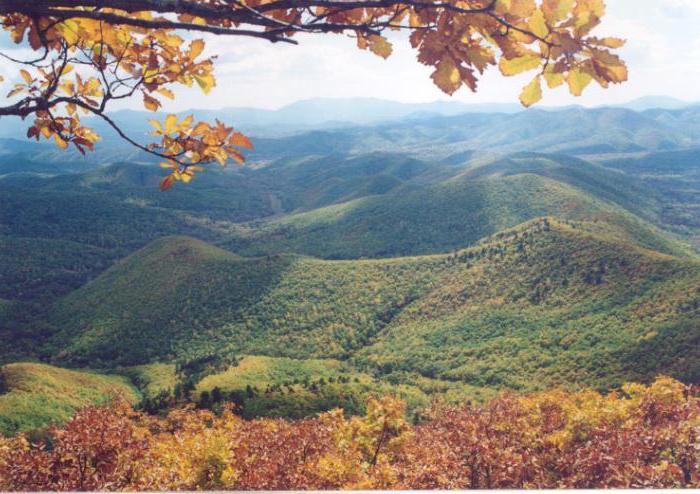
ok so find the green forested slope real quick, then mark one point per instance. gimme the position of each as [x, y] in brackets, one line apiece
[181, 297]
[559, 307]
[57, 233]
[38, 268]
[446, 216]
[549, 302]
[35, 395]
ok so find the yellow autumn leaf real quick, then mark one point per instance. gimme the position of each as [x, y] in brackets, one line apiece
[446, 75]
[613, 42]
[618, 72]
[521, 8]
[150, 103]
[238, 139]
[206, 82]
[172, 41]
[611, 72]
[170, 124]
[68, 87]
[556, 11]
[502, 6]
[166, 92]
[26, 76]
[186, 123]
[532, 93]
[218, 154]
[538, 26]
[59, 140]
[200, 129]
[553, 79]
[196, 48]
[578, 80]
[156, 124]
[380, 46]
[69, 30]
[587, 14]
[519, 65]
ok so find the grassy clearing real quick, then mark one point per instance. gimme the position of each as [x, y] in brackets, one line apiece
[152, 379]
[37, 395]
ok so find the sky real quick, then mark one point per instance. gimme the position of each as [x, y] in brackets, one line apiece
[663, 55]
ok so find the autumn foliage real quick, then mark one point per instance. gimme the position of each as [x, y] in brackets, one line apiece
[639, 436]
[87, 54]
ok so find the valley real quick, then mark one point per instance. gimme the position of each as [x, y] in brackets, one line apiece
[451, 256]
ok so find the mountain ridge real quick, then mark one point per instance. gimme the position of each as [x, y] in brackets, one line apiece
[239, 308]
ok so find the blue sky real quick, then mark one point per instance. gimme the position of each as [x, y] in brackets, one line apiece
[663, 53]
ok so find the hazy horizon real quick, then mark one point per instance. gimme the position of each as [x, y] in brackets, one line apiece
[447, 100]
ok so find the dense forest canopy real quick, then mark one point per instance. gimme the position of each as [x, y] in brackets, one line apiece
[89, 53]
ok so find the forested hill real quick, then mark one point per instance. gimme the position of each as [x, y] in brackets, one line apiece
[546, 303]
[60, 231]
[459, 211]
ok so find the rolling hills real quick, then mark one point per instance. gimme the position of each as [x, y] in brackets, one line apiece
[451, 255]
[146, 306]
[675, 176]
[550, 302]
[430, 132]
[459, 211]
[575, 131]
[59, 232]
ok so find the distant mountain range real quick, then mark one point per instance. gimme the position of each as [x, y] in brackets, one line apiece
[331, 113]
[656, 102]
[360, 126]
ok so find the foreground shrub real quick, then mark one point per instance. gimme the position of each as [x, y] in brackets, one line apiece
[640, 436]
